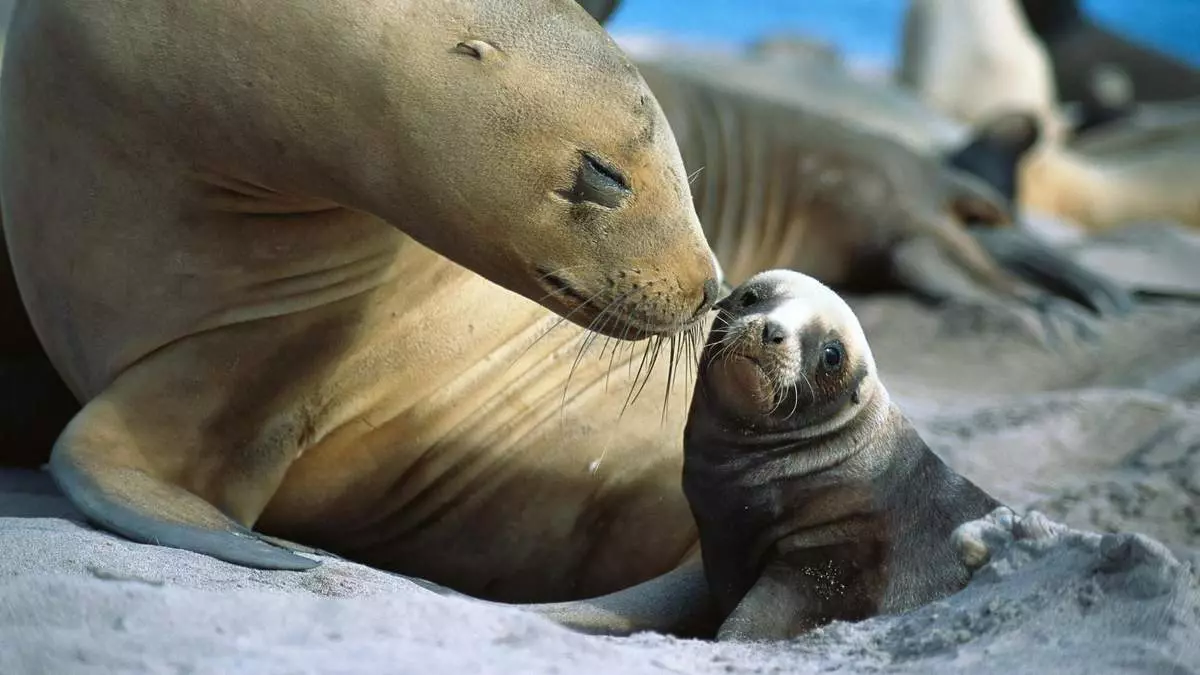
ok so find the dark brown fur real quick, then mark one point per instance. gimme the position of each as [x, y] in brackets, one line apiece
[788, 548]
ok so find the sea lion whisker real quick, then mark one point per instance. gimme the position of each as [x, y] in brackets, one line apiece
[560, 321]
[612, 358]
[641, 365]
[589, 337]
[672, 368]
[658, 343]
[812, 392]
[795, 398]
[645, 362]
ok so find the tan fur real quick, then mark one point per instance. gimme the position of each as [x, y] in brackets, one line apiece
[229, 223]
[1154, 174]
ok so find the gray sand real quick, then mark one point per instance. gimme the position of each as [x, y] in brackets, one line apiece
[1103, 437]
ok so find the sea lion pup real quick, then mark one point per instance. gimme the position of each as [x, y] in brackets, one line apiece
[1078, 46]
[815, 497]
[301, 263]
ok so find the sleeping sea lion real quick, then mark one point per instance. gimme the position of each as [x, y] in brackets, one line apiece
[816, 498]
[295, 259]
[781, 185]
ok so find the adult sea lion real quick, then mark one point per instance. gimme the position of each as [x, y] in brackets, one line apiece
[815, 497]
[295, 260]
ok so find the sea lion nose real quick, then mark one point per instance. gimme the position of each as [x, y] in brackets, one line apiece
[712, 293]
[774, 333]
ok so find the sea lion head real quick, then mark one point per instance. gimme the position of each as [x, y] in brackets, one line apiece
[556, 169]
[786, 353]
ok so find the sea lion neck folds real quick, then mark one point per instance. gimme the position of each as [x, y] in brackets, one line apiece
[815, 498]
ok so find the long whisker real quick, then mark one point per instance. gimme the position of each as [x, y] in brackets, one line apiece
[560, 321]
[671, 369]
[589, 337]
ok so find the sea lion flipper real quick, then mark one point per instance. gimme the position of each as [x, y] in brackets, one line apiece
[130, 501]
[922, 266]
[990, 247]
[777, 607]
[675, 603]
[1022, 253]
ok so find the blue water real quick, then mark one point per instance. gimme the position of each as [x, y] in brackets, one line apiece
[871, 28]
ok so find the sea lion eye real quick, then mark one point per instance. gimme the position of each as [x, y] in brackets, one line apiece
[598, 183]
[832, 355]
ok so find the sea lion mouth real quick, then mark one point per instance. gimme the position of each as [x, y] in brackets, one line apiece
[615, 318]
[562, 289]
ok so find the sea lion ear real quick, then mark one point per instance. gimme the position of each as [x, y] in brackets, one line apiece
[476, 49]
[855, 397]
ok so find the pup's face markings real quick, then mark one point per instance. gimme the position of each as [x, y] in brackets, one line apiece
[786, 351]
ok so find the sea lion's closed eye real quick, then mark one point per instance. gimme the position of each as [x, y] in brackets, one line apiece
[598, 183]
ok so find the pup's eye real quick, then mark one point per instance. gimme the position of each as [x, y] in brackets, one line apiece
[832, 355]
[598, 183]
[748, 299]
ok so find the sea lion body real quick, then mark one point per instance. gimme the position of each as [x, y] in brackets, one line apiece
[295, 260]
[1151, 177]
[970, 60]
[815, 497]
[779, 184]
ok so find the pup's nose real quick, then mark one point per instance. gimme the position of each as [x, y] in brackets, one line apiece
[774, 333]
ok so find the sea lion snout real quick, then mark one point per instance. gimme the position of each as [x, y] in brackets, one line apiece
[786, 348]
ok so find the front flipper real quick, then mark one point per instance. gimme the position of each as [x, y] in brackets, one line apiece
[1022, 253]
[105, 475]
[779, 606]
[923, 267]
[676, 603]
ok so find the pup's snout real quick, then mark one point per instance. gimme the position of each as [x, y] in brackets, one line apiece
[773, 333]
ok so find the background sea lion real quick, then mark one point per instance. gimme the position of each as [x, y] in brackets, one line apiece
[972, 59]
[780, 185]
[228, 225]
[1064, 174]
[1078, 46]
[815, 496]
